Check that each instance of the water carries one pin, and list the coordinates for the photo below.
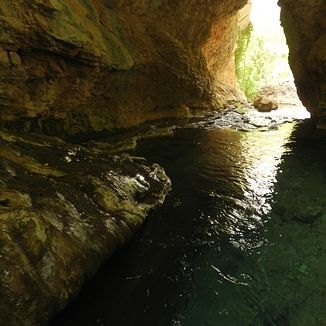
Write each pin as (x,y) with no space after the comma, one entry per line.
(240,240)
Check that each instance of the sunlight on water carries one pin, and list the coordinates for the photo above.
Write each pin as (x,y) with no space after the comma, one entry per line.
(260,268)
(262,153)
(240,169)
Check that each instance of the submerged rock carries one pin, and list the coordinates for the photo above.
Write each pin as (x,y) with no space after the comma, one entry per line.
(64,209)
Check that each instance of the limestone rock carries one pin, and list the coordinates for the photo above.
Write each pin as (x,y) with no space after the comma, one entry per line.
(64,209)
(70,67)
(264,104)
(284,93)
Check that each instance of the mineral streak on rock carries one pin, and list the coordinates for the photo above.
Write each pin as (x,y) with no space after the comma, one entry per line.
(63,211)
(70,67)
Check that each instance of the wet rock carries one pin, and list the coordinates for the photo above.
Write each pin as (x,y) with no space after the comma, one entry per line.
(64,209)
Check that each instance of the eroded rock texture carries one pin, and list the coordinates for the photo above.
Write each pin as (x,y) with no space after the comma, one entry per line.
(63,211)
(69,67)
(305,29)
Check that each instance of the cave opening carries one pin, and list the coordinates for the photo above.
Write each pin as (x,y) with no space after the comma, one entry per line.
(262,57)
(268,40)
(262,50)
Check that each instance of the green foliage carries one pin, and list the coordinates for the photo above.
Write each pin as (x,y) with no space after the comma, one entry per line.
(260,59)
(243,70)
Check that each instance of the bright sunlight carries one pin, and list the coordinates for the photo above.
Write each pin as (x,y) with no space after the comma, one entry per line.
(262,54)
(265,16)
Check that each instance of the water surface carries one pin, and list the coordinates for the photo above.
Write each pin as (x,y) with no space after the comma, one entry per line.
(240,240)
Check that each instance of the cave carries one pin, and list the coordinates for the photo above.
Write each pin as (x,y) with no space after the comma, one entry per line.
(81,82)
(73,70)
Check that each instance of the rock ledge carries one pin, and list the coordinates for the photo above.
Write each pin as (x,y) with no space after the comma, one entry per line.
(64,209)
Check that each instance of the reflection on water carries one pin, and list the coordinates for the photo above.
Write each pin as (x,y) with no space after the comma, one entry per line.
(230,246)
(262,153)
(238,171)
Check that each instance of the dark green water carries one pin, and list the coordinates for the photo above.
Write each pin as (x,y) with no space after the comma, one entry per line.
(240,240)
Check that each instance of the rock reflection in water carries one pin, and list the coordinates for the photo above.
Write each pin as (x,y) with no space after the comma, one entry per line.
(223,292)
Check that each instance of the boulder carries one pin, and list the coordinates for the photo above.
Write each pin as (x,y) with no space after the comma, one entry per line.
(264,104)
(284,93)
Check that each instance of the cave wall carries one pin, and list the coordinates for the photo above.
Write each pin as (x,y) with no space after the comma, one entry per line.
(78,66)
(304,25)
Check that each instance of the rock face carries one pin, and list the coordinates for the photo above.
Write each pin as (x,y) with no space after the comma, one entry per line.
(284,93)
(305,29)
(63,211)
(70,67)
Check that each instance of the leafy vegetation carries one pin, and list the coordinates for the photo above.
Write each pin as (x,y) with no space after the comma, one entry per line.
(260,59)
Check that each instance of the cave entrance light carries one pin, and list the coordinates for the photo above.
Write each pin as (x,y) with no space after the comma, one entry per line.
(265,17)
(266,57)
